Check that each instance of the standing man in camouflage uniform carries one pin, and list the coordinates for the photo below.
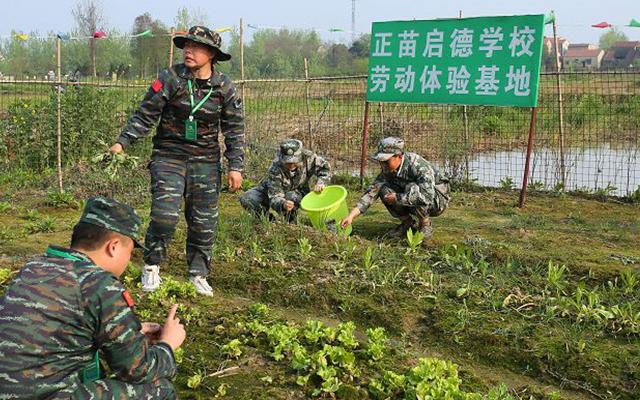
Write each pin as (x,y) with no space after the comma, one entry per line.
(409,187)
(67,307)
(288,181)
(193,102)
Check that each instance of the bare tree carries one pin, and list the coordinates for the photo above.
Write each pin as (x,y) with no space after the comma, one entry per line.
(90,19)
(186,18)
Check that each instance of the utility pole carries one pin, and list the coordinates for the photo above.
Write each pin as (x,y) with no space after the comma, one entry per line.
(353,20)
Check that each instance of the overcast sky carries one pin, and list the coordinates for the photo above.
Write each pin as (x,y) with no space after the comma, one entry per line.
(574,17)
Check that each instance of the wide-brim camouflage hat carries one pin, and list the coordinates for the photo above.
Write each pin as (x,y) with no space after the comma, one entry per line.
(204,35)
(114,216)
(291,151)
(387,148)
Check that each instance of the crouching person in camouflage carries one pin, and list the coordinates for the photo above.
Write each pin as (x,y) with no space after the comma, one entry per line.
(193,101)
(411,189)
(288,181)
(66,310)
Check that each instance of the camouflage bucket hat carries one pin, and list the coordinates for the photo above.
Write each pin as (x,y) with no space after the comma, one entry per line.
(388,147)
(204,35)
(291,151)
(114,216)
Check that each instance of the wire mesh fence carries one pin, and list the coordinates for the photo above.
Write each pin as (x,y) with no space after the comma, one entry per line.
(596,149)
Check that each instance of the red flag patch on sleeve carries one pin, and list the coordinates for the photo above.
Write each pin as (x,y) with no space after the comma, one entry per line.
(128,299)
(156,85)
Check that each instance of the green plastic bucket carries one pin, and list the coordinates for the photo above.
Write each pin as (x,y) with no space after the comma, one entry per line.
(327,207)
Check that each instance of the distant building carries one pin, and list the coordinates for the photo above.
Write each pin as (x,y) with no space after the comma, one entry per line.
(549,56)
(622,55)
(582,56)
(563,45)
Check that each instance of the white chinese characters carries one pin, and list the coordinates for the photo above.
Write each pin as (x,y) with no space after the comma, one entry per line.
(482,58)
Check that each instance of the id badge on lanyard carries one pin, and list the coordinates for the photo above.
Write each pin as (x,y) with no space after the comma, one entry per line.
(191,124)
(191,128)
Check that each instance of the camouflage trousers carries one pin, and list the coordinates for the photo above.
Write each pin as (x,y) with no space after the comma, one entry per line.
(415,212)
(109,389)
(256,201)
(199,184)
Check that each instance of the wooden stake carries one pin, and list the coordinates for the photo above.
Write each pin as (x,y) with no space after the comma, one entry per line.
(365,142)
(306,102)
(59,127)
(465,118)
(525,180)
(171,46)
(242,93)
(563,170)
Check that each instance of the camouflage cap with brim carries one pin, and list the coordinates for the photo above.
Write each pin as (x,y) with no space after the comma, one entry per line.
(114,216)
(387,148)
(204,35)
(291,151)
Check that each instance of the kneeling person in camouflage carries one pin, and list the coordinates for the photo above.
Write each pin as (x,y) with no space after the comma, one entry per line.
(288,181)
(66,310)
(411,189)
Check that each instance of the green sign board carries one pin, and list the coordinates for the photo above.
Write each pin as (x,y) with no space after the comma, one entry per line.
(476,61)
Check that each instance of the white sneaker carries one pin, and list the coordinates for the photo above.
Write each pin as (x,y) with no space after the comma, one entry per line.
(151,278)
(201,284)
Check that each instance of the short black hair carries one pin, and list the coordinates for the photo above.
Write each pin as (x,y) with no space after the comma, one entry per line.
(89,237)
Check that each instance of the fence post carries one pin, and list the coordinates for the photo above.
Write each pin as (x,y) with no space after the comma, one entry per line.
(563,171)
(242,61)
(365,142)
(242,90)
(525,180)
(381,113)
(465,118)
(306,102)
(171,47)
(59,116)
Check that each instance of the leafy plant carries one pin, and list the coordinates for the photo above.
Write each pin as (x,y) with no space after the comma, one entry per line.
(229,253)
(506,183)
(536,186)
(233,349)
(61,199)
(6,235)
(346,335)
(629,280)
(195,380)
(5,274)
(32,215)
(113,163)
(304,247)
(556,277)
(376,343)
(5,206)
(258,254)
(179,355)
(455,256)
(368,262)
(414,240)
(44,225)
(605,192)
(259,310)
(634,197)
(171,290)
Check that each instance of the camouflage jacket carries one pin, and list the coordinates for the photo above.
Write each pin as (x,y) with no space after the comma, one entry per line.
(414,183)
(53,318)
(168,100)
(280,180)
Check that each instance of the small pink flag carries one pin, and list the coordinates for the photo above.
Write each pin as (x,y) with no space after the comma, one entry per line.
(602,25)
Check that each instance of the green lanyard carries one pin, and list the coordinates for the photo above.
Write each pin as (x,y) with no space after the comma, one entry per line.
(57,253)
(92,372)
(194,107)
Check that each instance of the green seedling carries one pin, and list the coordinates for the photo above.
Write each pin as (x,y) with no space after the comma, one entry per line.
(304,247)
